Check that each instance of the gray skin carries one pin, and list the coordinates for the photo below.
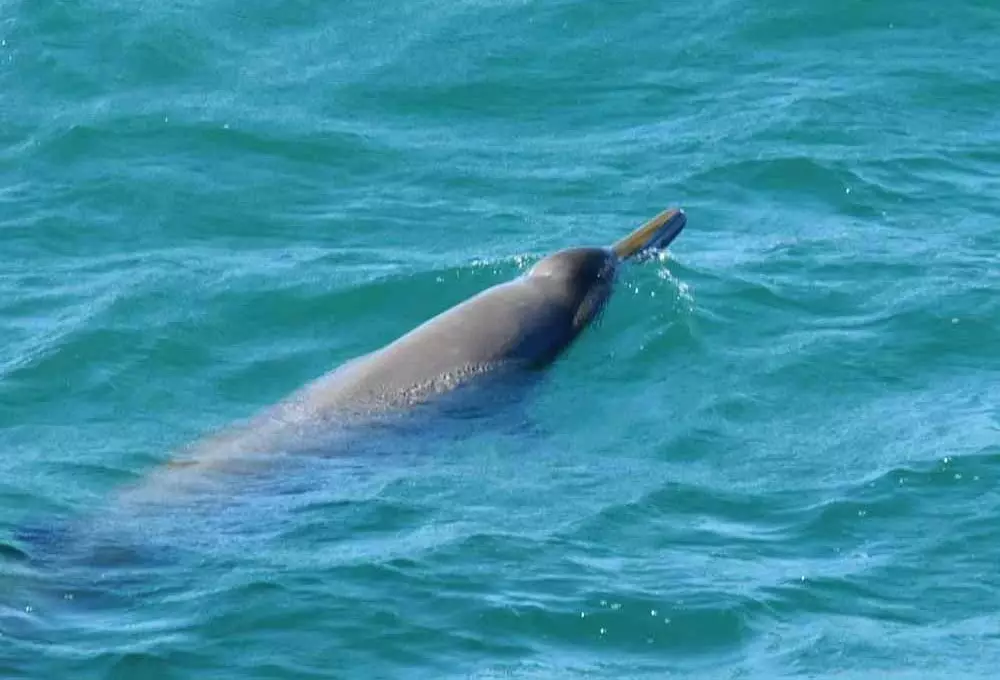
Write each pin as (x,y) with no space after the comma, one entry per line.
(524,323)
(510,328)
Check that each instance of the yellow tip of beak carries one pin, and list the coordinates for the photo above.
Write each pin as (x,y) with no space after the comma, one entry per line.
(656,233)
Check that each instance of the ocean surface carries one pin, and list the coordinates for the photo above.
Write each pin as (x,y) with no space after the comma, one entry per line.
(777,456)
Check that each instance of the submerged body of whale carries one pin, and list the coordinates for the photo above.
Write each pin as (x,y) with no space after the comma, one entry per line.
(467,363)
(453,376)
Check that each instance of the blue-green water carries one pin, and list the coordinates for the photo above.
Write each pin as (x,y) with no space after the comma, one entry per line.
(778,456)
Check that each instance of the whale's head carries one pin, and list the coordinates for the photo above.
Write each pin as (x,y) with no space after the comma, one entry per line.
(582,280)
(578,282)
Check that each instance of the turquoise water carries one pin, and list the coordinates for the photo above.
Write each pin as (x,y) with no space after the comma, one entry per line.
(778,455)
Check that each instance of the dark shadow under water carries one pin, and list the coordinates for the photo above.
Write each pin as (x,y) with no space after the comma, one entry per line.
(112,558)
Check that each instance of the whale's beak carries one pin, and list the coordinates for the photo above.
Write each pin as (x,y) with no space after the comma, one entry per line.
(656,234)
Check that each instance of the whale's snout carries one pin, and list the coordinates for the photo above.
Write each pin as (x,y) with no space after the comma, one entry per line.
(656,234)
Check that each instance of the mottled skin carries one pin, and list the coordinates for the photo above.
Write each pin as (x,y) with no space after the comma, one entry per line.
(527,322)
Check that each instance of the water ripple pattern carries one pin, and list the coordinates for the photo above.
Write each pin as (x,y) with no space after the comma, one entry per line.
(777,456)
